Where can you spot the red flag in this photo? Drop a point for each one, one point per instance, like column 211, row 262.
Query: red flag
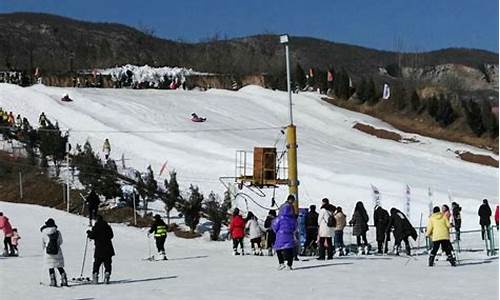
column 330, row 76
column 163, row 167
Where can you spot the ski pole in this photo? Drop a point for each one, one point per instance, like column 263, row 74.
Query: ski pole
column 84, row 256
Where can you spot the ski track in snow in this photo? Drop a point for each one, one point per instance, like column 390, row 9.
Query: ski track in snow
column 200, row 269
column 335, row 160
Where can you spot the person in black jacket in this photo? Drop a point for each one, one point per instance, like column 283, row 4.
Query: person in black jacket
column 457, row 218
column 402, row 230
column 159, row 229
column 93, row 205
column 270, row 234
column 311, row 222
column 359, row 222
column 381, row 221
column 484, row 214
column 102, row 234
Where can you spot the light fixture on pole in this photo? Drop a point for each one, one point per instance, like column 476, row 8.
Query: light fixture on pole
column 291, row 134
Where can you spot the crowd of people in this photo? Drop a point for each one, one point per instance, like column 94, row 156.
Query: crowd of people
column 324, row 231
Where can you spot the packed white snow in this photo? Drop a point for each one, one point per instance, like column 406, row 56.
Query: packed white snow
column 334, row 160
column 148, row 74
column 200, row 269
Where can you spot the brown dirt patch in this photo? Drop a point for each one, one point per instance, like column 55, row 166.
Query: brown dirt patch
column 186, row 234
column 417, row 124
column 380, row 133
column 478, row 158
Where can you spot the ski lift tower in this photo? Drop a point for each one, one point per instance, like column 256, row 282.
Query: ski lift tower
column 291, row 134
column 268, row 168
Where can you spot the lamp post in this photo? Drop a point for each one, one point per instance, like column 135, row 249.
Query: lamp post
column 291, row 134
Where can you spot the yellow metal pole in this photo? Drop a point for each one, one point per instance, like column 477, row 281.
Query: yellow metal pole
column 293, row 181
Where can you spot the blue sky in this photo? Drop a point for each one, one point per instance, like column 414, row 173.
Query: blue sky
column 418, row 24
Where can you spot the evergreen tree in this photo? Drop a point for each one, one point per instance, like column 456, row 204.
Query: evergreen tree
column 191, row 208
column 432, row 107
column 362, row 90
column 300, row 76
column 371, row 93
column 446, row 114
column 150, row 187
column 109, row 185
column 488, row 119
column 141, row 190
column 53, row 145
column 89, row 166
column 217, row 213
column 172, row 195
column 398, row 96
column 415, row 101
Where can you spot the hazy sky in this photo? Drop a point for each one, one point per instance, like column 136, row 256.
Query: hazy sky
column 418, row 24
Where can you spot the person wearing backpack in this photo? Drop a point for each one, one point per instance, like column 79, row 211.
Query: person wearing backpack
column 254, row 233
column 359, row 222
column 326, row 222
column 51, row 244
column 102, row 234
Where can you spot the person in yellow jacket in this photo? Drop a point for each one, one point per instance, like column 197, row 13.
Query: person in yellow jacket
column 438, row 229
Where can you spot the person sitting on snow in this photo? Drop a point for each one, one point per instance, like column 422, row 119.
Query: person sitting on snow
column 66, row 98
column 196, row 118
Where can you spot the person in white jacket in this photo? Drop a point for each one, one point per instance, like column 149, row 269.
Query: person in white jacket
column 51, row 245
column 325, row 232
column 254, row 232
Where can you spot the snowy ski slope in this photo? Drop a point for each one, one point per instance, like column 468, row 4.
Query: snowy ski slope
column 199, row 269
column 335, row 160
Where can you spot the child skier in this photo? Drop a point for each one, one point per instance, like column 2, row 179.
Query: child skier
column 237, row 231
column 438, row 228
column 159, row 229
column 254, row 232
column 51, row 244
column 15, row 242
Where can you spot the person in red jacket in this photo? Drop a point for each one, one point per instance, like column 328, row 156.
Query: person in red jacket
column 7, row 232
column 496, row 216
column 237, row 231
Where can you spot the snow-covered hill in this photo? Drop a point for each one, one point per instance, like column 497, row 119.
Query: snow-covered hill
column 335, row 160
column 199, row 269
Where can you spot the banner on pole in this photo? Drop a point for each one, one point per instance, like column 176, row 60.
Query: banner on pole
column 408, row 199
column 429, row 193
column 387, row 92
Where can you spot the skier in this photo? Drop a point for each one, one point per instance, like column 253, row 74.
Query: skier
column 254, row 232
column 102, row 234
column 284, row 226
column 326, row 223
column 438, row 228
column 42, row 120
column 311, row 222
column 402, row 230
column 359, row 222
column 338, row 238
column 15, row 241
column 484, row 214
column 106, row 149
column 51, row 244
column 457, row 218
column 381, row 221
column 11, row 120
column 270, row 235
column 159, row 229
column 237, row 231
column 93, row 205
column 446, row 211
column 7, row 232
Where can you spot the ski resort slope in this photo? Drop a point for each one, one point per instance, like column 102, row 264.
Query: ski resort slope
column 334, row 160
column 200, row 269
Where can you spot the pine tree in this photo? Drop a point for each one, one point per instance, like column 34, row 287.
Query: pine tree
column 191, row 208
column 488, row 119
column 172, row 195
column 217, row 213
column 109, row 185
column 371, row 93
column 300, row 76
column 89, row 166
column 150, row 186
column 415, row 101
column 53, row 145
column 445, row 114
column 362, row 90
